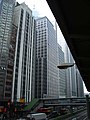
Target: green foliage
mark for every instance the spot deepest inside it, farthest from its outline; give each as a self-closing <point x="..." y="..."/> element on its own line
<point x="31" y="104"/>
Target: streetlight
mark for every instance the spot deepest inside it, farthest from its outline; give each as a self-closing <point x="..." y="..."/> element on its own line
<point x="65" y="65"/>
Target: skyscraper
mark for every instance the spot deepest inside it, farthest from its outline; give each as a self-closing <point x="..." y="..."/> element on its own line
<point x="80" y="89"/>
<point x="7" y="48"/>
<point x="74" y="83"/>
<point x="71" y="85"/>
<point x="61" y="74"/>
<point x="23" y="64"/>
<point x="46" y="59"/>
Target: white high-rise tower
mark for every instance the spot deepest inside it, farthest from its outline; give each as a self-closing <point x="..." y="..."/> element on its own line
<point x="22" y="78"/>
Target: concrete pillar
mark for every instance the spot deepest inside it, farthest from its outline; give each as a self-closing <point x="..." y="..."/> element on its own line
<point x="88" y="106"/>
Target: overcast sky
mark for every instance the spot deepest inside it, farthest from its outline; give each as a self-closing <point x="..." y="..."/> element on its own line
<point x="41" y="6"/>
<point x="43" y="9"/>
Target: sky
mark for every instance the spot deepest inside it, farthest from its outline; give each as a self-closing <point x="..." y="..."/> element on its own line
<point x="43" y="9"/>
<point x="40" y="5"/>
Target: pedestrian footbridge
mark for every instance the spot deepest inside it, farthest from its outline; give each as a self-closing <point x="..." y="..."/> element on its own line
<point x="73" y="18"/>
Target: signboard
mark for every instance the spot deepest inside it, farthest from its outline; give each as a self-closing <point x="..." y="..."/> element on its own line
<point x="22" y="100"/>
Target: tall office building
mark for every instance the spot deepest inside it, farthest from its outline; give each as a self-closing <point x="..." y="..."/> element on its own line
<point x="7" y="48"/>
<point x="61" y="74"/>
<point x="73" y="78"/>
<point x="71" y="85"/>
<point x="46" y="84"/>
<point x="23" y="64"/>
<point x="80" y="89"/>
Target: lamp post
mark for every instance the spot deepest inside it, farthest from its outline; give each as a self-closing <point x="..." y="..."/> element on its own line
<point x="65" y="65"/>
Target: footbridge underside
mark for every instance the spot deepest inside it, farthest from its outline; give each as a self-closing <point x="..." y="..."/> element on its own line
<point x="73" y="18"/>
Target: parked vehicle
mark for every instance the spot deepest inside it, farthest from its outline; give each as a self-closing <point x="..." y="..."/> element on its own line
<point x="37" y="116"/>
<point x="10" y="109"/>
<point x="45" y="110"/>
<point x="63" y="111"/>
<point x="53" y="114"/>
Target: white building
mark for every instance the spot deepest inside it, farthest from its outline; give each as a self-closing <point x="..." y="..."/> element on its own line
<point x="22" y="76"/>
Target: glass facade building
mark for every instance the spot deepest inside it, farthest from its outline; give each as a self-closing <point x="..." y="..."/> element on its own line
<point x="74" y="84"/>
<point x="7" y="47"/>
<point x="61" y="74"/>
<point x="70" y="75"/>
<point x="80" y="88"/>
<point x="46" y="59"/>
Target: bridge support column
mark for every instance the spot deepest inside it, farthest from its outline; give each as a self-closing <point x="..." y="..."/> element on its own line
<point x="71" y="110"/>
<point x="88" y="106"/>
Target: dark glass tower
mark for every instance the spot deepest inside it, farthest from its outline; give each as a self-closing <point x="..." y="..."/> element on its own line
<point x="7" y="48"/>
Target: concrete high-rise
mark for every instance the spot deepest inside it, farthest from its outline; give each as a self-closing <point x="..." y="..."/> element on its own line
<point x="80" y="88"/>
<point x="7" y="48"/>
<point x="71" y="85"/>
<point x="24" y="61"/>
<point x="73" y="78"/>
<point x="61" y="74"/>
<point x="46" y="84"/>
